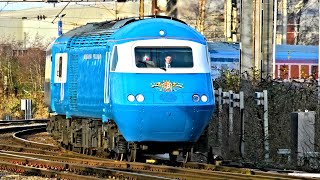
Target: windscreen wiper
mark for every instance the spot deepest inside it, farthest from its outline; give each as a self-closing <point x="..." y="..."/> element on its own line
<point x="163" y="68"/>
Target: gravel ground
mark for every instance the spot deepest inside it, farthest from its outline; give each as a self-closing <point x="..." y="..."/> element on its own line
<point x="43" y="137"/>
<point x="39" y="137"/>
<point x="6" y="175"/>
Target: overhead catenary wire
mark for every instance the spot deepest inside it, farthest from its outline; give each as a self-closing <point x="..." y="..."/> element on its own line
<point x="19" y="27"/>
<point x="60" y="12"/>
<point x="93" y="18"/>
<point x="3" y="7"/>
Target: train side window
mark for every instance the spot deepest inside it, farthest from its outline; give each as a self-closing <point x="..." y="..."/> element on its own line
<point x="294" y="72"/>
<point x="114" y="59"/>
<point x="314" y="72"/>
<point x="224" y="67"/>
<point x="60" y="73"/>
<point x="304" y="71"/>
<point x="60" y="67"/>
<point x="284" y="71"/>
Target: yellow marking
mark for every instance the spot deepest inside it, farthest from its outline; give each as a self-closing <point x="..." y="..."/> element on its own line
<point x="151" y="161"/>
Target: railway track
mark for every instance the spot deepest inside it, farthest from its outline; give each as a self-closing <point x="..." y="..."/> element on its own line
<point x="52" y="161"/>
<point x="110" y="168"/>
<point x="21" y="122"/>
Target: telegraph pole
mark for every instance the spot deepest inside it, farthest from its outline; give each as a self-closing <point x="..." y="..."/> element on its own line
<point x="154" y="7"/>
<point x="267" y="37"/>
<point x="227" y="19"/>
<point x="172" y="10"/>
<point x="246" y="38"/>
<point x="257" y="33"/>
<point x="284" y="21"/>
<point x="256" y="44"/>
<point x="141" y="9"/>
<point x="202" y="10"/>
<point x="230" y="20"/>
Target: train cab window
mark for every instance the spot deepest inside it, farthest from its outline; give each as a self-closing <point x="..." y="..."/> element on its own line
<point x="114" y="59"/>
<point x="154" y="57"/>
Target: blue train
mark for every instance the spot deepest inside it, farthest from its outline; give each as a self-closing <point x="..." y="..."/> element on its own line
<point x="292" y="61"/>
<point x="120" y="88"/>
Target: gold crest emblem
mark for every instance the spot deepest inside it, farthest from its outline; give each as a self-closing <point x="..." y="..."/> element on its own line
<point x="167" y="86"/>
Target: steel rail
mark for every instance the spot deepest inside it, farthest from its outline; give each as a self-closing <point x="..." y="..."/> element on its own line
<point x="17" y="137"/>
<point x="8" y="129"/>
<point x="43" y="172"/>
<point x="203" y="171"/>
<point x="76" y="168"/>
<point x="17" y="122"/>
<point x="63" y="152"/>
<point x="163" y="171"/>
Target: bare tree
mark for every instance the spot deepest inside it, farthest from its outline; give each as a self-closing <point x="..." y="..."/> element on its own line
<point x="213" y="25"/>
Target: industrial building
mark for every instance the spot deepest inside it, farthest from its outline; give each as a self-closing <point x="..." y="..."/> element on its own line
<point x="28" y="26"/>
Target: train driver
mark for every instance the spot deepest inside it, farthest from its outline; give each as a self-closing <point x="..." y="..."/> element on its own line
<point x="168" y="60"/>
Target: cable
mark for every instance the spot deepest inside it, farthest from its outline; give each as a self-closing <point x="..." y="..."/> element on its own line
<point x="107" y="9"/>
<point x="3" y="7"/>
<point x="30" y="27"/>
<point x="28" y="18"/>
<point x="60" y="12"/>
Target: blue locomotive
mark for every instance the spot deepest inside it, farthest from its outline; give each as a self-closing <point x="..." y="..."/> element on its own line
<point x="124" y="87"/>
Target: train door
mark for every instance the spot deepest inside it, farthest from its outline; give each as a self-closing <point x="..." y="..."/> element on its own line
<point x="47" y="79"/>
<point x="111" y="63"/>
<point x="106" y="79"/>
<point x="60" y="74"/>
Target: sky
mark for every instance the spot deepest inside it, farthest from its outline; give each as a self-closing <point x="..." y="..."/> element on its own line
<point x="4" y="6"/>
<point x="21" y="5"/>
<point x="25" y="5"/>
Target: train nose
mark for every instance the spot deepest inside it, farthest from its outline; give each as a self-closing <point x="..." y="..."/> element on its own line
<point x="166" y="121"/>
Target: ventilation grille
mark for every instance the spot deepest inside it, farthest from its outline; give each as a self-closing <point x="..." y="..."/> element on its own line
<point x="92" y="40"/>
<point x="73" y="83"/>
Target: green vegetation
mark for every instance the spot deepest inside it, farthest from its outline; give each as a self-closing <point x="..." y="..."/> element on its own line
<point x="21" y="77"/>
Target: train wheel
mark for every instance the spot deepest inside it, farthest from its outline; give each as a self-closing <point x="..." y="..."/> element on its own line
<point x="132" y="155"/>
<point x="187" y="155"/>
<point x="69" y="147"/>
<point x="173" y="158"/>
<point x="117" y="156"/>
<point x="120" y="156"/>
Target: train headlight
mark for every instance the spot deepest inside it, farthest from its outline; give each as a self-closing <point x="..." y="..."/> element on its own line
<point x="162" y="33"/>
<point x="195" y="98"/>
<point x="140" y="98"/>
<point x="204" y="98"/>
<point x="130" y="98"/>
